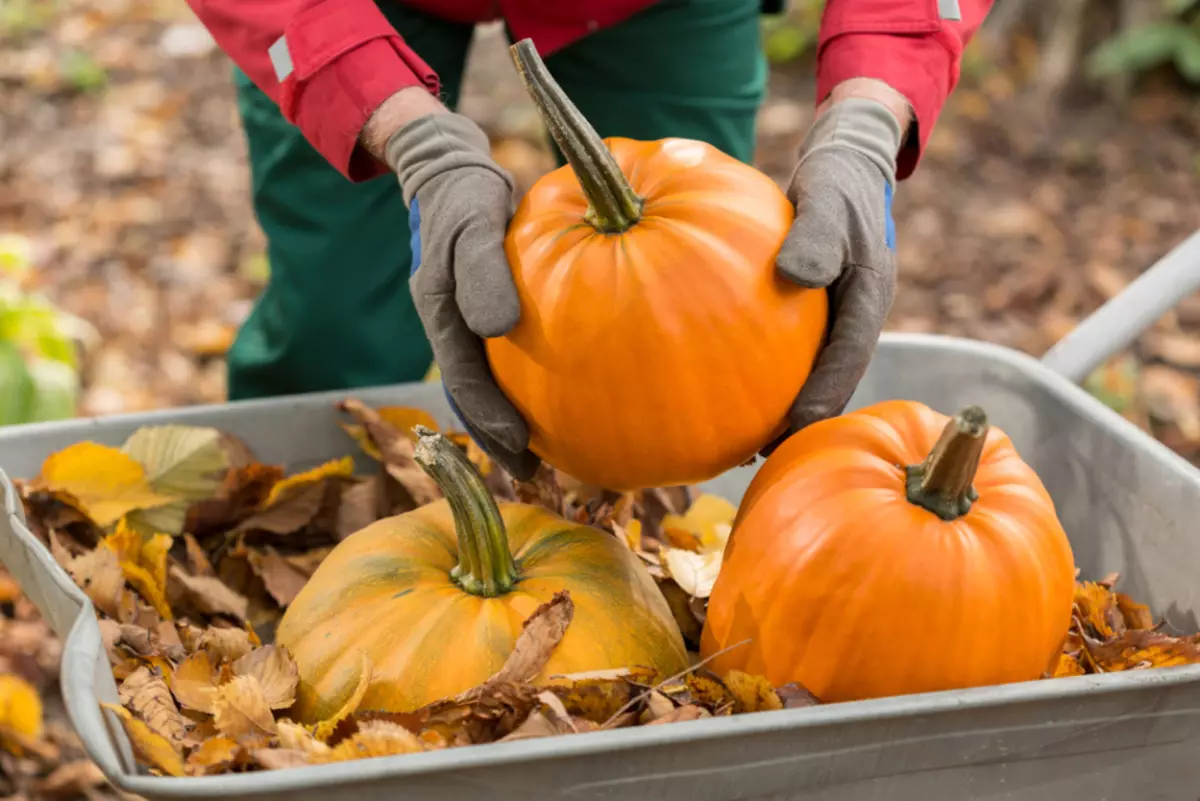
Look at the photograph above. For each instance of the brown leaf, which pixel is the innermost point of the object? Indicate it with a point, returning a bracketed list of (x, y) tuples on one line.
[(1139, 649), (294, 737), (147, 695), (99, 574), (70, 780), (148, 745), (241, 494), (794, 696), (275, 671), (198, 562), (360, 506), (195, 682), (751, 693), (214, 755), (543, 490), (283, 580), (225, 644), (1067, 666), (1096, 608), (683, 713), (550, 719), (397, 452), (241, 711), (211, 595), (597, 700), (657, 706), (540, 635), (289, 515), (1136, 615), (280, 758), (1176, 348)]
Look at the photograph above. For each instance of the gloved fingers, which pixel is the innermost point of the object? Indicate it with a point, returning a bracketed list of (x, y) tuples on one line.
[(862, 299), (484, 286), (521, 465), (815, 249), (465, 371)]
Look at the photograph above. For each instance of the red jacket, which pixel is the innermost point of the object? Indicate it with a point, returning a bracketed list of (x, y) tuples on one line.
[(330, 63)]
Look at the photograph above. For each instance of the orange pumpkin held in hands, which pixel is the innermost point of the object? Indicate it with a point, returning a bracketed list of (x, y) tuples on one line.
[(433, 600), (892, 551), (656, 344)]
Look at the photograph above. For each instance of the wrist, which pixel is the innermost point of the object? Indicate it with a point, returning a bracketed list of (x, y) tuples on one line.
[(405, 106), (871, 89)]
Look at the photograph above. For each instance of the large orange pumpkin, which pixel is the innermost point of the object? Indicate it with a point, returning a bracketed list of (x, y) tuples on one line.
[(435, 599), (892, 551), (656, 345)]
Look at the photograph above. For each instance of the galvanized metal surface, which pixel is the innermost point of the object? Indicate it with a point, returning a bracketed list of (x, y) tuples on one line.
[(1128, 503)]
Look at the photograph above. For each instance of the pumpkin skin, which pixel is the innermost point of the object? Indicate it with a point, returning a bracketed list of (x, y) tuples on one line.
[(668, 352), (386, 590), (853, 591)]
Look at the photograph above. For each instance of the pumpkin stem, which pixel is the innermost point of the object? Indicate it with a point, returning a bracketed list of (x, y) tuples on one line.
[(943, 482), (485, 562), (613, 206)]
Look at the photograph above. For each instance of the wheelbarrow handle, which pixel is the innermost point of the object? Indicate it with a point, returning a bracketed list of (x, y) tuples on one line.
[(1121, 320)]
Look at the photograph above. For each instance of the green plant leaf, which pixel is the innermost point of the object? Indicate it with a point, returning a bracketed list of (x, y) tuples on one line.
[(1138, 49), (1187, 58), (16, 386), (55, 390)]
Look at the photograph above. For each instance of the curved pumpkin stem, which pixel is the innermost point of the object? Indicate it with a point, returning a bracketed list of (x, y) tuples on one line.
[(485, 562), (943, 483), (613, 206)]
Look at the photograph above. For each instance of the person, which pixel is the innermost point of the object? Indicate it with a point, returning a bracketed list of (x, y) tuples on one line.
[(339, 98)]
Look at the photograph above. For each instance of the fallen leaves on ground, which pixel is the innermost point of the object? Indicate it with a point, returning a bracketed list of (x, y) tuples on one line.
[(187, 613)]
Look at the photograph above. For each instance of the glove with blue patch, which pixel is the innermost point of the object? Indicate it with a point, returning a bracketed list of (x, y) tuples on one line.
[(460, 202), (843, 239)]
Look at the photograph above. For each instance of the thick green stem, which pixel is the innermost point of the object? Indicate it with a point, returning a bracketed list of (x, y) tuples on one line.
[(485, 563), (613, 206), (943, 483)]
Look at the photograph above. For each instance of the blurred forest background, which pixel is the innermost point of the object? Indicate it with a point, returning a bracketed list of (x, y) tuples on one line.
[(1066, 163)]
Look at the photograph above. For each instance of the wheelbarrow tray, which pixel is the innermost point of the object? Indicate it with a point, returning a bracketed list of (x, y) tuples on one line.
[(1128, 503)]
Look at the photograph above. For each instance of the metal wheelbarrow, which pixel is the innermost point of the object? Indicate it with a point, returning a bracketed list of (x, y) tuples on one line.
[(1128, 503)]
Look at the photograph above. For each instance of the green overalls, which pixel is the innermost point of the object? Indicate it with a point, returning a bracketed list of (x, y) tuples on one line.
[(336, 313)]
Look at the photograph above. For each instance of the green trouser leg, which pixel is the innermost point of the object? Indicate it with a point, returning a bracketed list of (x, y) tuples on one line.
[(337, 312)]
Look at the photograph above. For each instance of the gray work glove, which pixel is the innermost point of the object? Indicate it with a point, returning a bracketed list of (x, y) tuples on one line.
[(843, 239), (460, 202)]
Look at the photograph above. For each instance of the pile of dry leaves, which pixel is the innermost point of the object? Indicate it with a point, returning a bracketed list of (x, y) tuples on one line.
[(191, 549)]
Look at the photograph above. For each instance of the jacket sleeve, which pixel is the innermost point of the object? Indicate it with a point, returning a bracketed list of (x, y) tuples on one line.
[(914, 46), (328, 64)]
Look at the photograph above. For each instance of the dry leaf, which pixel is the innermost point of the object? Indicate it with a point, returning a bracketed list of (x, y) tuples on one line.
[(211, 595), (751, 693), (1096, 607), (20, 706), (149, 746), (704, 527), (375, 738), (682, 714), (359, 506), (225, 644), (107, 483), (282, 579), (241, 711), (146, 694), (71, 780), (1139, 649), (143, 562), (294, 737), (795, 696), (98, 572), (275, 671), (396, 451), (1135, 615), (695, 573), (540, 635), (185, 462), (279, 758), (213, 756), (402, 420), (194, 682)]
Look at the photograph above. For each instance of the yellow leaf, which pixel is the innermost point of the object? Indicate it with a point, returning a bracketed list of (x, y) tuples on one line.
[(325, 728), (213, 755), (376, 738), (107, 483), (275, 671), (240, 709), (149, 746), (194, 682), (331, 469), (707, 523), (144, 563), (294, 737), (694, 572), (148, 588), (225, 644), (185, 462), (751, 693), (1096, 606), (1067, 666), (20, 706)]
